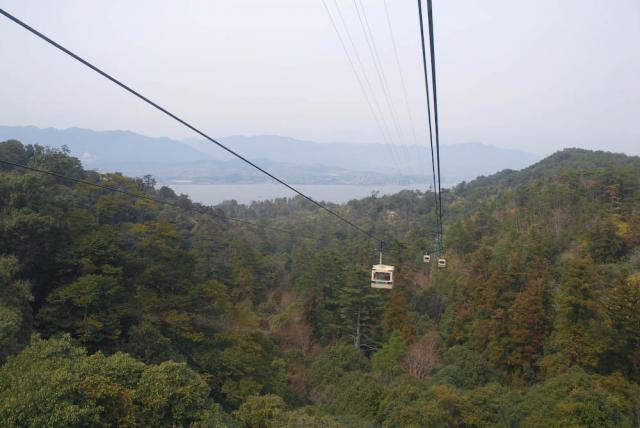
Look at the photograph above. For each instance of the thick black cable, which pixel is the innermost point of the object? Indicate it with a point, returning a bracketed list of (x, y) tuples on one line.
[(153, 199), (435, 108), (404, 86), (426, 87), (178, 119)]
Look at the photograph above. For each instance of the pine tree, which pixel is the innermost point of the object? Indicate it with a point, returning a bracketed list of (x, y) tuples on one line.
[(578, 329), (15, 308), (396, 317), (623, 310), (324, 278)]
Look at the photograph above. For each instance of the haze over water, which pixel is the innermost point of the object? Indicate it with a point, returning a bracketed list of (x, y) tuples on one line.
[(213, 194)]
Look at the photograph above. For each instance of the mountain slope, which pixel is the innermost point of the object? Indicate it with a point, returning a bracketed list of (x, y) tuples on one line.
[(560, 162), (157, 314)]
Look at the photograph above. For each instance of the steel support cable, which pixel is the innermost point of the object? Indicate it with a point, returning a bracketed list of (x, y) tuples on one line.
[(373, 52), (404, 87), (178, 119), (402, 81), (426, 86), (435, 108), (362, 86), (369, 85), (154, 199), (375, 58), (403, 148), (389, 142)]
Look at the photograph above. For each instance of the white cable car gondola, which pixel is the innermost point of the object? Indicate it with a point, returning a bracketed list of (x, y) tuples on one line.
[(442, 262), (382, 275), (426, 258)]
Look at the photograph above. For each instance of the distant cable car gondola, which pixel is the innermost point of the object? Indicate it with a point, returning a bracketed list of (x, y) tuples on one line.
[(382, 275), (426, 258), (442, 262)]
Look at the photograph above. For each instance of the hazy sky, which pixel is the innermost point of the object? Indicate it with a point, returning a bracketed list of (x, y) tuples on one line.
[(534, 75)]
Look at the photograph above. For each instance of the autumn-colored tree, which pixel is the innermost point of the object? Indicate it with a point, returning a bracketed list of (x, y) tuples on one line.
[(424, 356), (528, 328), (632, 234)]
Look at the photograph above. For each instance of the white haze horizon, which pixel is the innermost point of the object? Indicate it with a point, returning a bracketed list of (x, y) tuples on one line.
[(536, 77), (199, 139)]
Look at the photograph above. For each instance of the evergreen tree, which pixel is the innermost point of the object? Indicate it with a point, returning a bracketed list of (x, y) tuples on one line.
[(579, 335), (623, 311), (15, 309)]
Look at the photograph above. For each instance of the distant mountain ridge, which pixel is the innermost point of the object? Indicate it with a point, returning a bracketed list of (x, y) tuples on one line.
[(463, 161), (298, 161), (98, 147)]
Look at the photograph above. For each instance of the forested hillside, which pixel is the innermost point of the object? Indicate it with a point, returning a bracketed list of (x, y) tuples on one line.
[(116, 311)]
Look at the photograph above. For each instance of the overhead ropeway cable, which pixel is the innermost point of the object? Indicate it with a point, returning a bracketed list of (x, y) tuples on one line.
[(435, 107), (183, 122), (426, 87), (394, 45), (382, 79), (364, 82), (401, 74)]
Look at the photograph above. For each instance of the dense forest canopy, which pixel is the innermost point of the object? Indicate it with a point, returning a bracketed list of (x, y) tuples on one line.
[(118, 311)]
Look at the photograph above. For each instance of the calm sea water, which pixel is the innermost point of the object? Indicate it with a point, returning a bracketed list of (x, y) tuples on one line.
[(212, 194)]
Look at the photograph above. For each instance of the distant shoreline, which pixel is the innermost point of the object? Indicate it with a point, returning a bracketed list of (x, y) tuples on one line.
[(213, 194)]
